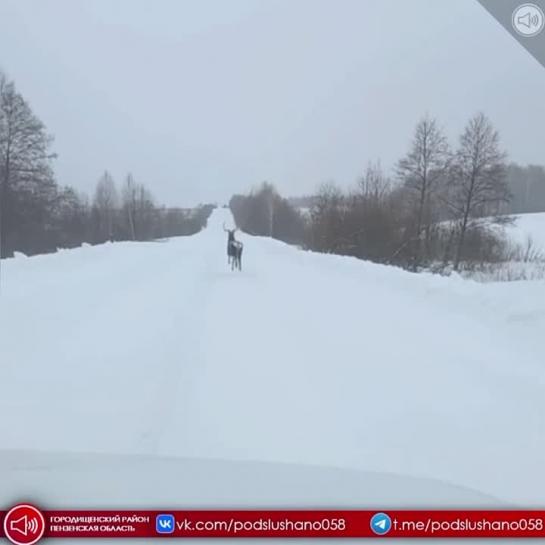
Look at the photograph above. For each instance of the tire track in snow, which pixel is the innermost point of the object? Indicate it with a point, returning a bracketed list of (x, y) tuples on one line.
[(179, 353)]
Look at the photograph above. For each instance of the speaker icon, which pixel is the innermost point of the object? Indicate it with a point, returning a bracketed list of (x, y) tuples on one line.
[(528, 20), (24, 525)]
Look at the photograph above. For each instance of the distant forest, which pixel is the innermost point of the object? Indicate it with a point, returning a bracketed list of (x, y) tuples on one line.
[(38, 216), (527, 187)]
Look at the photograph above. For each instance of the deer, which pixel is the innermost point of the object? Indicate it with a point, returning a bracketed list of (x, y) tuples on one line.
[(234, 249)]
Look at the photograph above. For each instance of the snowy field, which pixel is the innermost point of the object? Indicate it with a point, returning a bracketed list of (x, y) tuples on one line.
[(529, 226), (526, 236), (156, 356)]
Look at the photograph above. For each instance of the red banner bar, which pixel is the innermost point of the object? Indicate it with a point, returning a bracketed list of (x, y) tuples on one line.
[(22, 526)]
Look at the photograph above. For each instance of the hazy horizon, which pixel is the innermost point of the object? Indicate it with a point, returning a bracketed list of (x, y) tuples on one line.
[(200, 100)]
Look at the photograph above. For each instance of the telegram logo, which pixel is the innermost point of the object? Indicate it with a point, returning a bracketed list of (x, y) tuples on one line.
[(381, 524)]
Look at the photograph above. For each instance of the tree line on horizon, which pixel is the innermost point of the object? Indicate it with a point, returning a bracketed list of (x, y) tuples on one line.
[(429, 214), (38, 216)]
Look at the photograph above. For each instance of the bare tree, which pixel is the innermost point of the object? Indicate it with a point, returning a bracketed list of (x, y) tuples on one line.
[(478, 184), (267, 193), (71, 218), (105, 204), (144, 212), (421, 171), (129, 203), (327, 218), (373, 184), (372, 226), (138, 208), (27, 186)]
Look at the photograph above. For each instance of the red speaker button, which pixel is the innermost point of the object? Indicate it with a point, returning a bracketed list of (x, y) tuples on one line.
[(24, 524)]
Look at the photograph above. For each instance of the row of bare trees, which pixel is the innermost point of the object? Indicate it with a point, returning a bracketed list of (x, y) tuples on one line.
[(36, 215), (130, 213), (431, 213)]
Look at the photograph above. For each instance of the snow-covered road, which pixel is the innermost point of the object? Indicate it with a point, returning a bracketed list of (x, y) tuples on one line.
[(158, 349)]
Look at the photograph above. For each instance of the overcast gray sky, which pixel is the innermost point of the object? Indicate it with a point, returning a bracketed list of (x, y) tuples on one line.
[(203, 98)]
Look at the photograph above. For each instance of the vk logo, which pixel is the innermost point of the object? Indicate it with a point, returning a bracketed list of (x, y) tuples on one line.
[(164, 524), (381, 524)]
